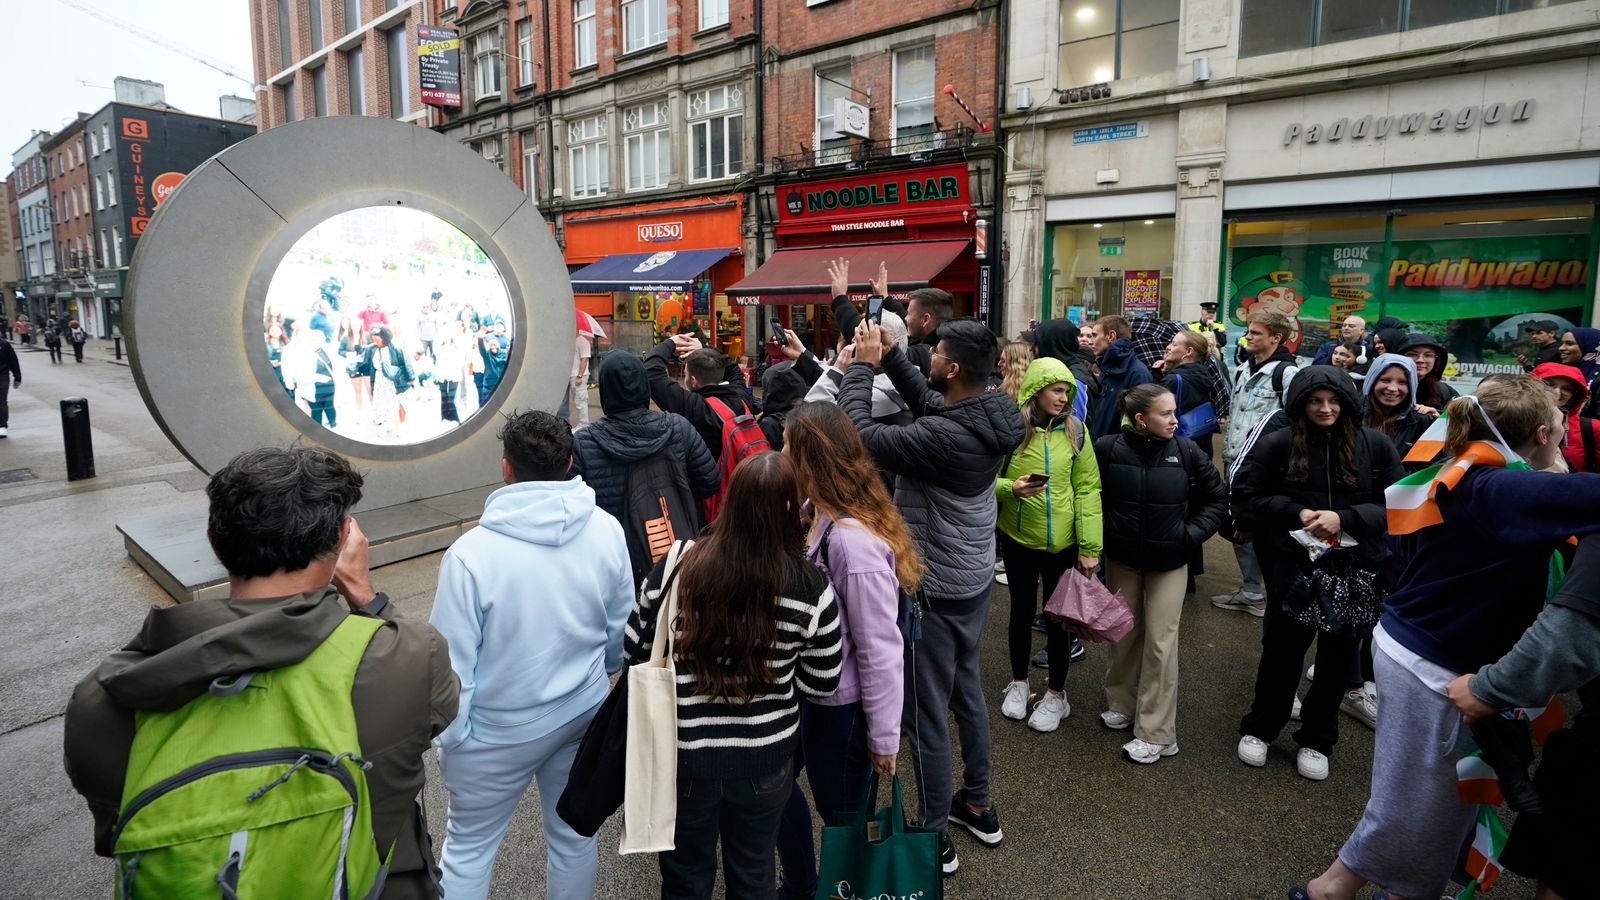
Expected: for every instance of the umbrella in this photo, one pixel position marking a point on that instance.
(587, 324)
(1151, 336)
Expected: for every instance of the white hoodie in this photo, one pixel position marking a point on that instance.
(533, 602)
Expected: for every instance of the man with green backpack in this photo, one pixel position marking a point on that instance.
(269, 743)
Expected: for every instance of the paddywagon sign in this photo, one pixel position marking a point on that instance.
(885, 198)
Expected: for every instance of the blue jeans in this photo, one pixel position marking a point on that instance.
(743, 813)
(834, 742)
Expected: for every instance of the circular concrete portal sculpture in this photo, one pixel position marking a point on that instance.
(199, 284)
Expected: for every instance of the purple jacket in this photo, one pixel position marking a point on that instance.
(861, 569)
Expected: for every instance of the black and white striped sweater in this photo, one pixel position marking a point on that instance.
(720, 739)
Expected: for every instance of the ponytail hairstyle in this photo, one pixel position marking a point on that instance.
(1140, 400)
(733, 579)
(1196, 342)
(1015, 358)
(1343, 437)
(1516, 404)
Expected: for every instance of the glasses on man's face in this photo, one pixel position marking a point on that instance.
(938, 354)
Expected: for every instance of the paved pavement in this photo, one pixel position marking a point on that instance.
(1079, 820)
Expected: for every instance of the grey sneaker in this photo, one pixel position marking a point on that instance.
(1361, 705)
(1239, 601)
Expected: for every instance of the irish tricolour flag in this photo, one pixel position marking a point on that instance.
(1412, 500)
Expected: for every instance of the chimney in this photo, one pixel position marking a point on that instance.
(137, 90)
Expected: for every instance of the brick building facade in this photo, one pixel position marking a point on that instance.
(336, 57)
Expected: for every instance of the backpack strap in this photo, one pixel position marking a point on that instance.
(1591, 453)
(1278, 376)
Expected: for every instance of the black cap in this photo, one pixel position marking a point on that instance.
(1208, 304)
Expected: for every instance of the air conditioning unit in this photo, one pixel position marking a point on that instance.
(555, 193)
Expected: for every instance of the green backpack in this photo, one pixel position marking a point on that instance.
(256, 788)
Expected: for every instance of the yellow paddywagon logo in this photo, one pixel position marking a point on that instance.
(843, 891)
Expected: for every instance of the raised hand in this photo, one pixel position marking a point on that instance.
(839, 276)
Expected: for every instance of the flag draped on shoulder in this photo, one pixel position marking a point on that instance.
(1413, 500)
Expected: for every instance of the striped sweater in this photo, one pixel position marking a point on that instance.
(720, 739)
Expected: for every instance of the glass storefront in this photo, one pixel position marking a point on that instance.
(1097, 269)
(1470, 277)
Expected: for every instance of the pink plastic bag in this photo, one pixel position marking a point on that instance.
(1088, 609)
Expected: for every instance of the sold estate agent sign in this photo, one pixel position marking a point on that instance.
(439, 65)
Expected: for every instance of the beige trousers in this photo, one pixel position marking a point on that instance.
(1142, 680)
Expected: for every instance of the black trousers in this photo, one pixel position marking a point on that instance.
(5, 405)
(55, 352)
(1284, 642)
(740, 813)
(77, 351)
(1026, 568)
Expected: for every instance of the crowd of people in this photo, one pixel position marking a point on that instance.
(820, 572)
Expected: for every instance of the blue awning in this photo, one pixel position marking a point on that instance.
(667, 270)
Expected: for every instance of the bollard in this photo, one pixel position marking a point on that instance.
(117, 342)
(75, 434)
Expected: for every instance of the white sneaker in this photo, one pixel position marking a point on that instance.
(1362, 706)
(1294, 711)
(1241, 602)
(1000, 578)
(1015, 704)
(1311, 764)
(1000, 573)
(1252, 751)
(1146, 753)
(2, 432)
(1116, 721)
(1048, 713)
(1311, 672)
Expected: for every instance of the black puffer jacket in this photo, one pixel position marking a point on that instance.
(945, 462)
(673, 397)
(1275, 502)
(602, 453)
(1160, 497)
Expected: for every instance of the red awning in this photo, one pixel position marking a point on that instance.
(801, 275)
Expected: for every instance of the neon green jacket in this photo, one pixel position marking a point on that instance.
(1068, 512)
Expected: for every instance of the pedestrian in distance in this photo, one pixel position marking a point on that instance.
(77, 337)
(52, 341)
(944, 463)
(757, 629)
(1161, 498)
(1049, 519)
(308, 692)
(10, 377)
(533, 602)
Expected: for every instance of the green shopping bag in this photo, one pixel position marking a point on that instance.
(879, 857)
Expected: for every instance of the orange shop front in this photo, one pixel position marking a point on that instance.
(919, 221)
(653, 269)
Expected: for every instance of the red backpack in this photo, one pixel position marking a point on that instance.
(741, 437)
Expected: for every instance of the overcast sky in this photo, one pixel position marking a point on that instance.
(64, 46)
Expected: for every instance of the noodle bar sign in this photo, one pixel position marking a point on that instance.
(886, 196)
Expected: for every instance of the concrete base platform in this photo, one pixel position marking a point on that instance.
(173, 550)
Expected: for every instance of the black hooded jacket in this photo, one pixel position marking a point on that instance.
(782, 388)
(673, 397)
(1199, 386)
(1058, 339)
(631, 431)
(1160, 499)
(1431, 389)
(1262, 483)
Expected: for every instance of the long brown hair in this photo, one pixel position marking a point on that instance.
(732, 579)
(1342, 440)
(837, 474)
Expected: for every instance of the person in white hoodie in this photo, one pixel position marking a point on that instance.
(533, 602)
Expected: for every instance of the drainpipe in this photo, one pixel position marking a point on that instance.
(998, 291)
(549, 119)
(761, 131)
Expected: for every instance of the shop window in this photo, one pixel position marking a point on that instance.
(647, 146)
(829, 144)
(644, 24)
(1111, 268)
(1270, 26)
(716, 133)
(525, 52)
(913, 99)
(486, 64)
(355, 79)
(1104, 40)
(588, 169)
(583, 52)
(1472, 278)
(713, 13)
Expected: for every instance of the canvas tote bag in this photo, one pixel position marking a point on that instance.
(650, 788)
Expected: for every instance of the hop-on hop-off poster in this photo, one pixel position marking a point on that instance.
(1473, 295)
(1141, 292)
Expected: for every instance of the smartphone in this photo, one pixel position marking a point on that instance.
(777, 330)
(1041, 478)
(874, 309)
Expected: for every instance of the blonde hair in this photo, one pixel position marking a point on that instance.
(1276, 323)
(1015, 358)
(1195, 341)
(1517, 405)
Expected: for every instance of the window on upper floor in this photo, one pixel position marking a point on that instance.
(352, 15)
(525, 52)
(648, 146)
(644, 24)
(716, 133)
(589, 169)
(319, 91)
(486, 64)
(105, 136)
(583, 50)
(530, 166)
(713, 13)
(111, 190)
(355, 81)
(913, 99)
(1271, 26)
(286, 93)
(285, 45)
(829, 144)
(1104, 40)
(99, 193)
(399, 59)
(314, 8)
